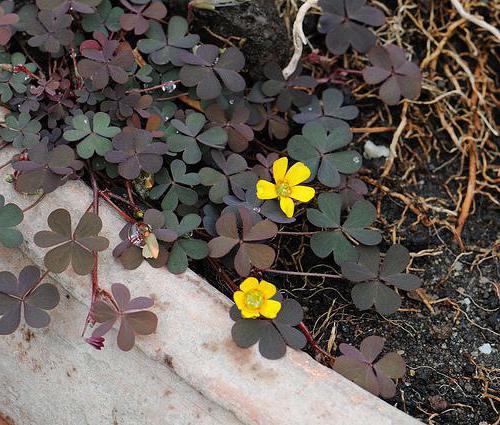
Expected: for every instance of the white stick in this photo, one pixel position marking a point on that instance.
(479, 21)
(299, 38)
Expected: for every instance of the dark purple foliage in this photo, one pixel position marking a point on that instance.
(75, 247)
(132, 314)
(46, 169)
(208, 71)
(134, 151)
(373, 278)
(28, 295)
(287, 92)
(234, 123)
(104, 59)
(344, 22)
(7, 20)
(400, 77)
(361, 367)
(121, 103)
(250, 252)
(50, 31)
(138, 16)
(273, 335)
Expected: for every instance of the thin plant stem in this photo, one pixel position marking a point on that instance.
(95, 275)
(123, 214)
(122, 199)
(7, 163)
(306, 274)
(95, 208)
(313, 343)
(157, 87)
(230, 283)
(34, 204)
(297, 233)
(130, 194)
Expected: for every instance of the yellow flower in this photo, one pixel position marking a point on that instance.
(254, 299)
(287, 186)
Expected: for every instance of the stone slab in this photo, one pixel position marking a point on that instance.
(193, 337)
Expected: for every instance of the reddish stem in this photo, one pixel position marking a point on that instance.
(223, 273)
(95, 207)
(34, 204)
(312, 342)
(130, 194)
(123, 214)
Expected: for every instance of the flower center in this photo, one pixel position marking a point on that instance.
(254, 298)
(283, 189)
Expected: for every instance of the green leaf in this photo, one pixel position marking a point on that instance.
(324, 243)
(101, 126)
(328, 215)
(10, 216)
(362, 214)
(177, 260)
(93, 144)
(82, 123)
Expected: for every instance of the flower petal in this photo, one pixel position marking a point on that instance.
(287, 206)
(302, 193)
(249, 283)
(297, 174)
(279, 169)
(268, 289)
(270, 309)
(239, 299)
(250, 314)
(266, 190)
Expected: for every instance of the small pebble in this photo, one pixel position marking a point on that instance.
(466, 302)
(371, 150)
(486, 348)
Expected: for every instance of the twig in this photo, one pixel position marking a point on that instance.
(471, 182)
(313, 343)
(480, 22)
(395, 140)
(299, 38)
(297, 233)
(372, 129)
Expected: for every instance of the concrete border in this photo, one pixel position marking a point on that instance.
(193, 337)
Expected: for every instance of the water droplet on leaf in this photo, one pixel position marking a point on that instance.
(169, 86)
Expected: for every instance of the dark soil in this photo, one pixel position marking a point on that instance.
(449, 380)
(255, 27)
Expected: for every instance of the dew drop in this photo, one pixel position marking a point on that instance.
(231, 101)
(356, 160)
(169, 86)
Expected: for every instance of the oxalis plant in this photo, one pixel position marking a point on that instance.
(202, 164)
